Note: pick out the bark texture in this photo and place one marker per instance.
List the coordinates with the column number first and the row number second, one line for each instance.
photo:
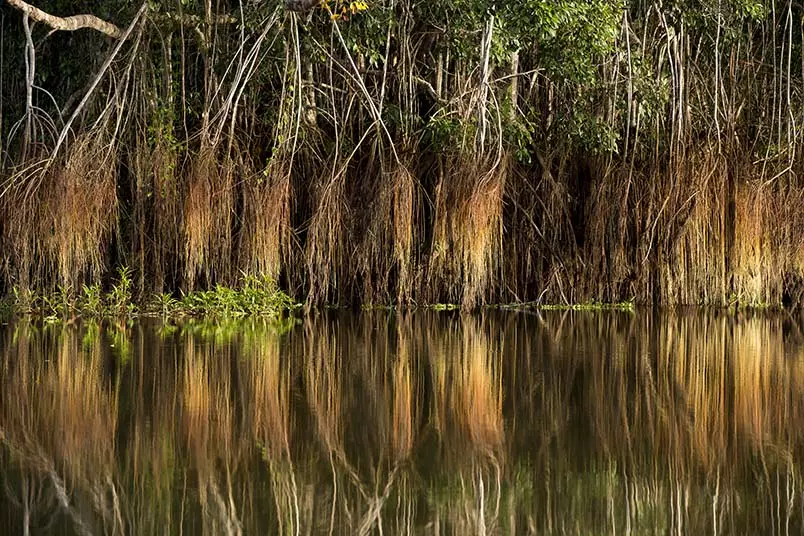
column 70, row 24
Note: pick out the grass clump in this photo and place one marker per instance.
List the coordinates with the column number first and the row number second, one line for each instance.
column 90, row 302
column 258, row 297
column 444, row 307
column 739, row 302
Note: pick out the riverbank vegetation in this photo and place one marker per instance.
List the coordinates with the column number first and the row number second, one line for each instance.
column 407, row 153
column 260, row 298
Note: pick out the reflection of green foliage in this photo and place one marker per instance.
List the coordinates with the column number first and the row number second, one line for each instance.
column 166, row 330
column 445, row 307
column 23, row 329
column 120, row 342
column 246, row 330
column 91, row 335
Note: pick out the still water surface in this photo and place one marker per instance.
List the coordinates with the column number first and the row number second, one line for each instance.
column 422, row 423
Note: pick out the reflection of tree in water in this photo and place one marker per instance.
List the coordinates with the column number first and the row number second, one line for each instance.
column 432, row 423
column 59, row 418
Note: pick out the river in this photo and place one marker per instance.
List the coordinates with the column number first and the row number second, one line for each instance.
column 506, row 422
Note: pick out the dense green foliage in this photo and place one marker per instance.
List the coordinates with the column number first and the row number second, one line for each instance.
column 394, row 151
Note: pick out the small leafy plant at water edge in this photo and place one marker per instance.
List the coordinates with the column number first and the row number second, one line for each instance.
column 592, row 306
column 257, row 297
column 589, row 306
column 90, row 302
column 119, row 301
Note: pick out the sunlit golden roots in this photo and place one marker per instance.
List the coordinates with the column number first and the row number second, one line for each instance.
column 687, row 230
column 63, row 217
column 468, row 227
column 157, row 199
column 716, row 230
column 267, row 232
column 208, row 211
column 85, row 209
column 752, row 259
column 327, row 242
column 389, row 243
column 768, row 241
column 405, row 207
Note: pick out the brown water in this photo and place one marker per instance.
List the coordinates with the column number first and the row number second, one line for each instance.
column 423, row 423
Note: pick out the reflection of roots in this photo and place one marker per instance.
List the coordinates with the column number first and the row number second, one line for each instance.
column 404, row 411
column 467, row 391
column 210, row 432
column 468, row 415
column 58, row 424
column 219, row 512
column 286, row 497
column 271, row 413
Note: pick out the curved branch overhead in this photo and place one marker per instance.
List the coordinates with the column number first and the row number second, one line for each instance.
column 70, row 24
